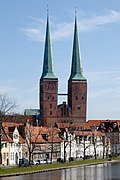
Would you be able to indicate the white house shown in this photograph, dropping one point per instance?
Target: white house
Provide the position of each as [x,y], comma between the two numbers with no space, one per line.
[15,148]
[84,144]
[68,146]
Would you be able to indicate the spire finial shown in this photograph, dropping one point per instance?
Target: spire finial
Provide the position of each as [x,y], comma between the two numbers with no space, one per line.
[75,11]
[47,9]
[76,69]
[48,60]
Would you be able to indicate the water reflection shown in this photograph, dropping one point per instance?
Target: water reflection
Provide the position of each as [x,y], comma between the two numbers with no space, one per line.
[95,172]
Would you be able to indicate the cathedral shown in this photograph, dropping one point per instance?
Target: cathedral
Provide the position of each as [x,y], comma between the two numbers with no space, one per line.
[74,110]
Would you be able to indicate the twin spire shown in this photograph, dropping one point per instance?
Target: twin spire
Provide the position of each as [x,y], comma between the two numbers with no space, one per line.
[48,72]
[76,69]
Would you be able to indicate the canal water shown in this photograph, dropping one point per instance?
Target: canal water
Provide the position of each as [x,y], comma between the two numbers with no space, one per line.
[110,171]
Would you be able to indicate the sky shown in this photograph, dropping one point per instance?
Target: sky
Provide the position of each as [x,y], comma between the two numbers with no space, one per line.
[22,35]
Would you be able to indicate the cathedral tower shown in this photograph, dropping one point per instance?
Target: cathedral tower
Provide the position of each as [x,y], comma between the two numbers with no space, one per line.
[77,84]
[48,85]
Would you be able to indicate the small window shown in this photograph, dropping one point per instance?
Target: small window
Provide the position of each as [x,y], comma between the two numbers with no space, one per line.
[4,156]
[50,112]
[50,105]
[5,144]
[52,87]
[82,98]
[79,107]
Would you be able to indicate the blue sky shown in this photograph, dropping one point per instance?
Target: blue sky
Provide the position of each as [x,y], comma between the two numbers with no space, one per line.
[22,45]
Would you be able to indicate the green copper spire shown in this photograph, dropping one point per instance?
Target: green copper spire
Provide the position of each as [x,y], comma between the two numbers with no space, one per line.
[48,61]
[76,69]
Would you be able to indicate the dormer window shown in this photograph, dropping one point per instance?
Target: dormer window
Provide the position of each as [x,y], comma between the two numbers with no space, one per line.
[45,137]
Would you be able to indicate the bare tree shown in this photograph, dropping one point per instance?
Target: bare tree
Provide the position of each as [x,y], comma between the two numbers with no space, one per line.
[68,140]
[83,140]
[96,140]
[31,139]
[106,146]
[54,138]
[85,147]
[6,105]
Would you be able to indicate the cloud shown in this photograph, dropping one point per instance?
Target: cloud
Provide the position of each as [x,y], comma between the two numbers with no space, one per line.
[33,34]
[65,30]
[100,84]
[96,21]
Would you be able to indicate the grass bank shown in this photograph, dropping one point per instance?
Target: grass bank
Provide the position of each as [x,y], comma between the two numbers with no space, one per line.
[39,168]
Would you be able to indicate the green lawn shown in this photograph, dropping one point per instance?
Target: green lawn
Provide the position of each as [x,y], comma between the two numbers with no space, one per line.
[50,166]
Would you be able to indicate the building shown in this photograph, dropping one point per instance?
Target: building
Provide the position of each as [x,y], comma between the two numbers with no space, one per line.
[35,113]
[43,143]
[12,144]
[74,110]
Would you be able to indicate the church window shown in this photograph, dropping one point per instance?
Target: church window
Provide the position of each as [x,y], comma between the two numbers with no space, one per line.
[52,87]
[82,98]
[48,87]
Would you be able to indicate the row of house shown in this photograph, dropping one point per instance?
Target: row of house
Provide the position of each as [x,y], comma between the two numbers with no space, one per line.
[92,139]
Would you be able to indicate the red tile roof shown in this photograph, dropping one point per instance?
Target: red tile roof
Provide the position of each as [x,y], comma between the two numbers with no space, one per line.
[89,133]
[36,134]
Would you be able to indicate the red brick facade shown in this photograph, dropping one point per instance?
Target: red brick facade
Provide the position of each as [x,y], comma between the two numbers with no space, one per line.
[73,112]
[77,100]
[20,119]
[48,101]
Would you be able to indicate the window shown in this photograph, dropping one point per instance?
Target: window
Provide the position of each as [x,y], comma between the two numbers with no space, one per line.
[50,112]
[5,144]
[4,156]
[34,156]
[11,155]
[50,105]
[80,137]
[85,138]
[39,155]
[52,87]
[82,98]
[45,137]
[79,107]
[19,154]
